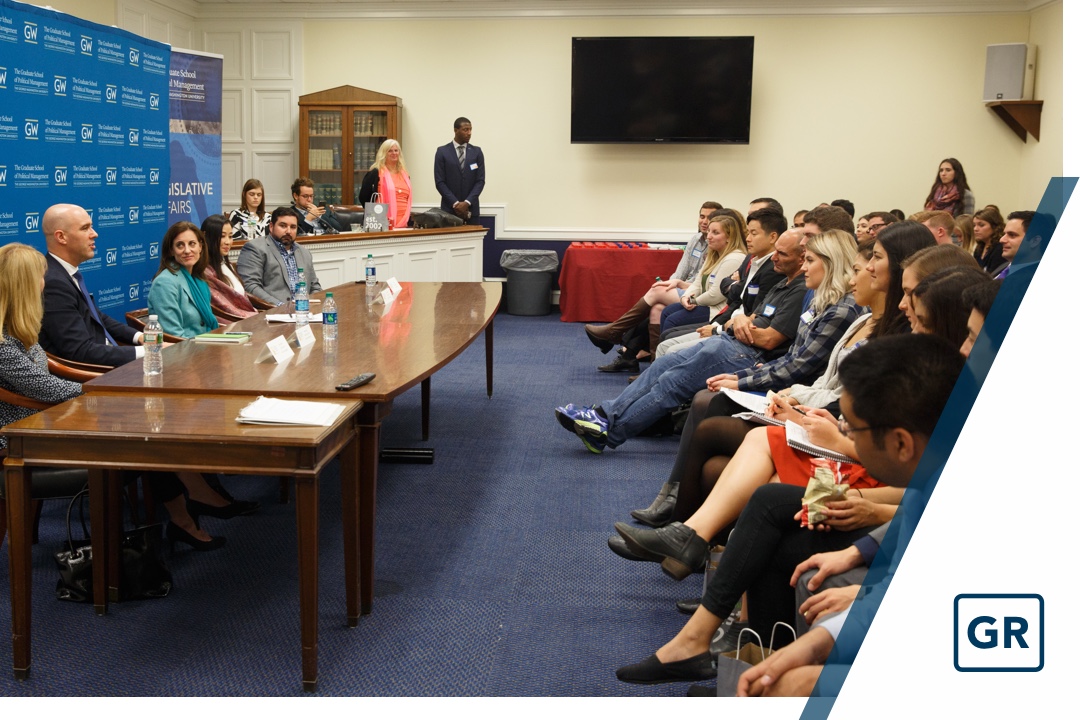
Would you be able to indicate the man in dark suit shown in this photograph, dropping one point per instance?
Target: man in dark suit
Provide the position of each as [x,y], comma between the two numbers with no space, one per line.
[73,327]
[459,174]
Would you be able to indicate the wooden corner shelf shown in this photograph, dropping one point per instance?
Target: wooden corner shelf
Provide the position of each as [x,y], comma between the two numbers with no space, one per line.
[1023,116]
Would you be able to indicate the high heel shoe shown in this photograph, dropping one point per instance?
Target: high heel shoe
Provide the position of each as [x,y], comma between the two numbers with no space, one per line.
[174,533]
[223,512]
[659,513]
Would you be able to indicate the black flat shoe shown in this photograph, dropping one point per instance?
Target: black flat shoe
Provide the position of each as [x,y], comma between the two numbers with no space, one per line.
[176,534]
[620,548]
[659,513]
[224,512]
[688,606]
[652,672]
[620,364]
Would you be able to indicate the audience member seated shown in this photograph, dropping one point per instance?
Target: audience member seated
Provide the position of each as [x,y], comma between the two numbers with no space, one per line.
[978,299]
[939,222]
[758,355]
[964,233]
[73,327]
[249,221]
[226,288]
[988,227]
[179,295]
[875,221]
[938,303]
[825,218]
[311,218]
[389,178]
[270,266]
[927,262]
[1016,227]
[660,295]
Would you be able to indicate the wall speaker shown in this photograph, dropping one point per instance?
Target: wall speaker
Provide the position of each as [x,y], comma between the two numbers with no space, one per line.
[1010,72]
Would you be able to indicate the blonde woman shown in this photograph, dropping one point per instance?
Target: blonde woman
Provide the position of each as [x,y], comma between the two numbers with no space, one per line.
[964,233]
[390,179]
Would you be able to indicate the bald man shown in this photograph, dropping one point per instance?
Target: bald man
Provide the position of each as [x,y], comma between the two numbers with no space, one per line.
[73,327]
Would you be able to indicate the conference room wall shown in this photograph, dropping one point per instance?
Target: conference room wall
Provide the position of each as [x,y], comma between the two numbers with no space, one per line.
[99,11]
[856,107]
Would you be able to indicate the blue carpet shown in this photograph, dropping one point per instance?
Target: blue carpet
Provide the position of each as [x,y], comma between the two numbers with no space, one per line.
[493,577]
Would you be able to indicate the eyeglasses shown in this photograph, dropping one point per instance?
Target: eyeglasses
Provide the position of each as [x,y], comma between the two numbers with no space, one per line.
[874,228]
[846,430]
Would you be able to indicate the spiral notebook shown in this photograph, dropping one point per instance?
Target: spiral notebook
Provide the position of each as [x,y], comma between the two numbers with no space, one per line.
[755,406]
[798,439]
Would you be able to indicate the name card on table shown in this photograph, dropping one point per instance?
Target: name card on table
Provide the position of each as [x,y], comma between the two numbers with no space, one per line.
[387,296]
[394,285]
[277,350]
[304,336]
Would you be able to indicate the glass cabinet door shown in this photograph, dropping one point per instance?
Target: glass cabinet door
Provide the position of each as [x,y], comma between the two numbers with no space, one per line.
[369,132]
[325,154]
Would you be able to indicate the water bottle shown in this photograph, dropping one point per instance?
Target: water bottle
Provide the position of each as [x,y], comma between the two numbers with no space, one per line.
[369,272]
[300,297]
[329,317]
[152,347]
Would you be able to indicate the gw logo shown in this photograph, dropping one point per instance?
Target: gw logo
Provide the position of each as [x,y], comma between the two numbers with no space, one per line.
[133,56]
[998,633]
[86,45]
[33,221]
[87,133]
[133,292]
[154,250]
[30,129]
[133,215]
[110,93]
[110,176]
[133,136]
[3,175]
[155,175]
[110,256]
[155,101]
[60,176]
[59,85]
[30,32]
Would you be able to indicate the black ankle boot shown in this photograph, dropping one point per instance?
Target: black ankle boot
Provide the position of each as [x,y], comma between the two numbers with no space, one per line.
[659,513]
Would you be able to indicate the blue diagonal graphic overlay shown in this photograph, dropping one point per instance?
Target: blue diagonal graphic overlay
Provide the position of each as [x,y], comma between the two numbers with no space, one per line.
[998,321]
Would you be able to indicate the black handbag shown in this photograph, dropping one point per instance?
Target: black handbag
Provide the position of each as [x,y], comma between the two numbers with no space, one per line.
[143,572]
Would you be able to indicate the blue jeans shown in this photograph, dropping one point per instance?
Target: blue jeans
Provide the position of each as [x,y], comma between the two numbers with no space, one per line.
[675,315]
[672,380]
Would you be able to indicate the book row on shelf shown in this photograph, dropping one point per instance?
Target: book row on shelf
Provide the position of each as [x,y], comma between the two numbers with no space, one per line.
[364,123]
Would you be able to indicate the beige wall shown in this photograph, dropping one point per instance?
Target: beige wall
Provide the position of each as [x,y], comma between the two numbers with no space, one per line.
[99,11]
[856,107]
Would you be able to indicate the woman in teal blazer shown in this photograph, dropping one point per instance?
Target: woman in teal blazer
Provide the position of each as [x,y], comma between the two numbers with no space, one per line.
[179,295]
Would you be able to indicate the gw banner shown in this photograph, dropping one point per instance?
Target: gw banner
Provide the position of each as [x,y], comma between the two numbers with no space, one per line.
[195,136]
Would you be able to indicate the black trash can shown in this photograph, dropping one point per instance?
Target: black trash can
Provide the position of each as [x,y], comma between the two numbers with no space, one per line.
[528,280]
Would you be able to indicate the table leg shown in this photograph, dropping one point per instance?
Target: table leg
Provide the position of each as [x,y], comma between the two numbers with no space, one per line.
[20,523]
[489,351]
[350,524]
[114,484]
[99,537]
[307,543]
[425,406]
[369,468]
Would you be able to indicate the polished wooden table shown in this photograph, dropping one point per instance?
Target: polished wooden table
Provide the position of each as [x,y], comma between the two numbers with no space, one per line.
[404,343]
[108,432]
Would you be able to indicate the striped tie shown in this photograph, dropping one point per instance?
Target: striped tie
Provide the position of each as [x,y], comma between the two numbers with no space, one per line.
[461,157]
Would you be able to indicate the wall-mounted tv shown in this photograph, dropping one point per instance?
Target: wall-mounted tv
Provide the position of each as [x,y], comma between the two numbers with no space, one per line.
[661,89]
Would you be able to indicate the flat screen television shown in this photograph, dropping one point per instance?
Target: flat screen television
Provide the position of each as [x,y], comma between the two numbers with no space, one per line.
[661,89]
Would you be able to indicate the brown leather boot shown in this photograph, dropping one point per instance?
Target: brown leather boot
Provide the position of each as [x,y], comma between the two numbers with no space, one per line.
[605,337]
[654,339]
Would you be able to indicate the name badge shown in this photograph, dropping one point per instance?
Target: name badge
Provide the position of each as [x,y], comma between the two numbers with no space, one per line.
[712,278]
[807,316]
[695,253]
[474,166]
[752,290]
[769,311]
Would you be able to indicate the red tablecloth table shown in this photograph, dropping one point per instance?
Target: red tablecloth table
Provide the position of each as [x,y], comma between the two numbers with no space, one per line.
[599,284]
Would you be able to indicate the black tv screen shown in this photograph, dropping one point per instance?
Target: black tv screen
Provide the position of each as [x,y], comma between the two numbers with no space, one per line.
[661,89]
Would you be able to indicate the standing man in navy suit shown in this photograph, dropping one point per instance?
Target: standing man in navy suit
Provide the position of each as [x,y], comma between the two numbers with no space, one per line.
[459,174]
[73,327]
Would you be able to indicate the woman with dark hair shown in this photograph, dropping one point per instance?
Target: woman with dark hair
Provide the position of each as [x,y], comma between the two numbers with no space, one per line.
[950,191]
[226,288]
[927,262]
[988,226]
[893,245]
[250,220]
[938,303]
[179,295]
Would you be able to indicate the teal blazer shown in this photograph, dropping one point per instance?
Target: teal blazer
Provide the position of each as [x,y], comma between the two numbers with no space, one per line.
[170,299]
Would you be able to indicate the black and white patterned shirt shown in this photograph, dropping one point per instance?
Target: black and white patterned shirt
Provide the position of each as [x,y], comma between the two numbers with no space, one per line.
[26,372]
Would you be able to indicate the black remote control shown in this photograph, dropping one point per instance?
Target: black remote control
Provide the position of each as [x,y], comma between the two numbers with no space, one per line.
[357,381]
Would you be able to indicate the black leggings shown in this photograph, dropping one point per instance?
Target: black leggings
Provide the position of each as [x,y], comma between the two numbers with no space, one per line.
[761,554]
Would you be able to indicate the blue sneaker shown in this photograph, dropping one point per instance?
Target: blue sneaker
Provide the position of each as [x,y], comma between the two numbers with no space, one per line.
[586,423]
[595,445]
[568,413]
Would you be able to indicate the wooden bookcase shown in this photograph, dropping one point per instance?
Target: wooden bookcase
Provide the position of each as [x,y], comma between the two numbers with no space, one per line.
[340,131]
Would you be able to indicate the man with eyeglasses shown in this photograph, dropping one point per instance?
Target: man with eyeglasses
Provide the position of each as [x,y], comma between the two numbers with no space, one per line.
[312,219]
[877,220]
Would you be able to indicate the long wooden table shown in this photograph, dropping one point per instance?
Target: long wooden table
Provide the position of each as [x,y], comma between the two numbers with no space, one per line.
[404,343]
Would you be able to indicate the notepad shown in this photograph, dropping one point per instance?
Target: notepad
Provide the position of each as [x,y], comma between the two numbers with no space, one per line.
[223,338]
[755,405]
[798,439]
[272,411]
[283,318]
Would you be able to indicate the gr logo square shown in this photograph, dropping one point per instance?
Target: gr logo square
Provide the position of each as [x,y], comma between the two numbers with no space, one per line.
[998,633]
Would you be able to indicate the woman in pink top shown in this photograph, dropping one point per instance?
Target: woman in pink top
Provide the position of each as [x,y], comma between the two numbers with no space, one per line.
[390,179]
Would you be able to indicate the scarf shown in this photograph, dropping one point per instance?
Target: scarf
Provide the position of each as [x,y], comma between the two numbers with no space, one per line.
[386,183]
[201,292]
[945,198]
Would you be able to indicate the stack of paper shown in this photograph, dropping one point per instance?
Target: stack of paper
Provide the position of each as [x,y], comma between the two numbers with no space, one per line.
[272,411]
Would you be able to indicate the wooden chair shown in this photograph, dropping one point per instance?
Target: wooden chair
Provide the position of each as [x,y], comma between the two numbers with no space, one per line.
[259,303]
[72,370]
[45,483]
[137,319]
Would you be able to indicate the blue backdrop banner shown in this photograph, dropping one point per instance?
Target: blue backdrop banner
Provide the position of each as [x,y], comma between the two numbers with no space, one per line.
[83,120]
[195,136]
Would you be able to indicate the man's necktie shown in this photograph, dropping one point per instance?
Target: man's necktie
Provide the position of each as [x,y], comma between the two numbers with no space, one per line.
[461,157]
[93,308]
